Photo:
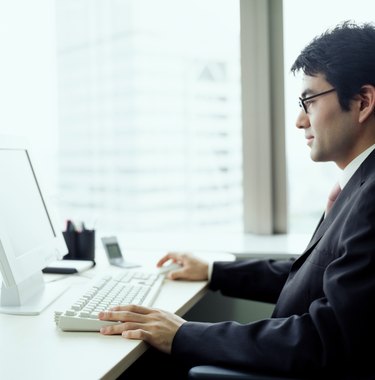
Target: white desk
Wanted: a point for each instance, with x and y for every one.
(31, 347)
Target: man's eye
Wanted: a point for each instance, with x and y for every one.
(308, 103)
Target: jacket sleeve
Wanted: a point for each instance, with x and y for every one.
(258, 280)
(265, 345)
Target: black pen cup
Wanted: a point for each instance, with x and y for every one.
(81, 245)
(86, 245)
(70, 240)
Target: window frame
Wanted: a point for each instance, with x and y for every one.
(263, 118)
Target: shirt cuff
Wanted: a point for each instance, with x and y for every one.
(210, 268)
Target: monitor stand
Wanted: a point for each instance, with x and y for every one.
(31, 296)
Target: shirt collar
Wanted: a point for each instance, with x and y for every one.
(352, 167)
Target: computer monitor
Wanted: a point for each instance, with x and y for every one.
(29, 236)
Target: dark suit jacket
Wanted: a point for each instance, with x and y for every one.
(323, 321)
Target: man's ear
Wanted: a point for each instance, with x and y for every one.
(367, 102)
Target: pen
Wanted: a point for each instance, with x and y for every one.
(70, 227)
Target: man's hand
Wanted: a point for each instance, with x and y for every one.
(156, 327)
(192, 268)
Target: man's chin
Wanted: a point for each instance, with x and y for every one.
(314, 156)
(317, 158)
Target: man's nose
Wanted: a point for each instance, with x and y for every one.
(302, 120)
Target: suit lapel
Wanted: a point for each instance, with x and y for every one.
(349, 191)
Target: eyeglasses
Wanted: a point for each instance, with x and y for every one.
(302, 101)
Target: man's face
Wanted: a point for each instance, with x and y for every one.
(331, 133)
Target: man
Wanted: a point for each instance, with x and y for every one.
(323, 323)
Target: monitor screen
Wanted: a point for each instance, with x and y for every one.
(21, 203)
(29, 238)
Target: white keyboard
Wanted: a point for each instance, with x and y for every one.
(127, 287)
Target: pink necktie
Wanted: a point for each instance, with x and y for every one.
(336, 190)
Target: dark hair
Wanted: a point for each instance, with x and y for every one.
(345, 55)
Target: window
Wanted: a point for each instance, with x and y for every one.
(150, 114)
(149, 107)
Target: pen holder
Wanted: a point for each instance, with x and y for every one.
(86, 245)
(81, 245)
(70, 240)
